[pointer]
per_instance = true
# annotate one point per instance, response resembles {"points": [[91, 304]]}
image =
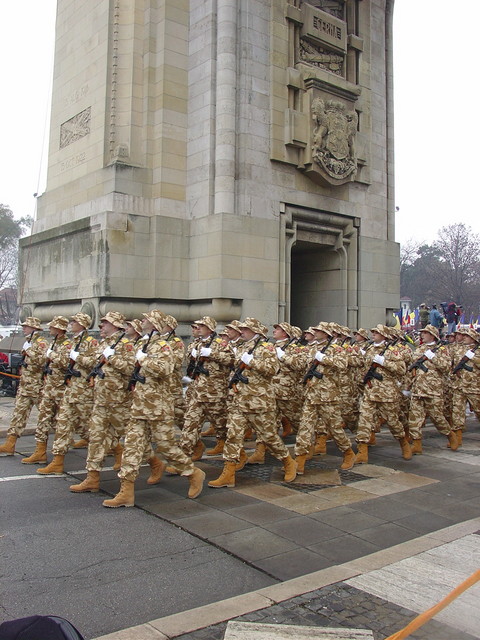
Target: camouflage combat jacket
{"points": [[212, 387], [78, 389], [430, 383], [31, 379], [55, 366], [468, 381], [387, 389], [258, 394], [117, 370]]}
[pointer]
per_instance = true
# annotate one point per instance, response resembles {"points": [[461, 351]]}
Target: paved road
{"points": [[102, 569]]}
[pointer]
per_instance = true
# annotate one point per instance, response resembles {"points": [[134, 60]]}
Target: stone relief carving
{"points": [[333, 7], [75, 128], [333, 142], [320, 58]]}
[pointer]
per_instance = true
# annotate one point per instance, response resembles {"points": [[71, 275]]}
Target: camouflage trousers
{"points": [[320, 419], [179, 407], [265, 425], [139, 435], [21, 412], [47, 414], [196, 414], [350, 409], [420, 408], [72, 417], [290, 409], [107, 424], [373, 413], [460, 399]]}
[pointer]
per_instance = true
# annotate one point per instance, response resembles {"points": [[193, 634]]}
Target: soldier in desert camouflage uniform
{"points": [[54, 372], [178, 350], [430, 363], [466, 368], [322, 404], [209, 394], [152, 416], [111, 401], [77, 402], [31, 380], [380, 399], [253, 404]]}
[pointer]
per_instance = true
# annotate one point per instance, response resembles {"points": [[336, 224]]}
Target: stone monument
{"points": [[219, 157]]}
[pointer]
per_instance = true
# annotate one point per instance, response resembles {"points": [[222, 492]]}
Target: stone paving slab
{"points": [[255, 631]]}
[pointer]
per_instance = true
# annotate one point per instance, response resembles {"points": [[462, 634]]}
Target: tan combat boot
{"points": [[81, 444], [217, 449], [8, 447], [91, 483], [39, 456], [248, 435], [300, 460], [320, 447], [453, 440], [373, 439], [209, 432], [196, 483], [290, 467], [198, 451], [243, 460], [348, 459], [171, 471], [157, 467], [258, 456], [362, 454], [417, 449], [124, 498], [55, 467], [406, 449], [226, 478], [117, 453]]}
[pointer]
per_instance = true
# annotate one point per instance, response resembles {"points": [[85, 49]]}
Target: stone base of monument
{"points": [[255, 631]]}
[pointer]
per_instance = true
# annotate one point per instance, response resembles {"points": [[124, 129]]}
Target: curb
{"points": [[191, 620]]}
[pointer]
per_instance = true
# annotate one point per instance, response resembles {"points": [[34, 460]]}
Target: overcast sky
{"points": [[435, 53]]}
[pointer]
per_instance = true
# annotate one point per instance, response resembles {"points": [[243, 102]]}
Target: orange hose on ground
{"points": [[424, 617]]}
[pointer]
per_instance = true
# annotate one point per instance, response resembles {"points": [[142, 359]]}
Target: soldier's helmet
{"points": [[83, 319], [59, 322], [114, 317], [429, 328], [362, 332], [136, 324], [234, 324], [156, 317], [171, 322], [254, 325], [208, 321], [382, 330], [287, 327], [31, 321], [326, 327]]}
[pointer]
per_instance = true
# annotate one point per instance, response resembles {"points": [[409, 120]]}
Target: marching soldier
{"points": [[430, 363], [252, 404], [209, 394], [178, 350], [380, 399], [31, 380], [54, 371], [152, 416], [467, 370], [322, 399], [111, 402], [77, 402]]}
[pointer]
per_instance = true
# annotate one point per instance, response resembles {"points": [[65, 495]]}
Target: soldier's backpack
{"points": [[39, 628]]}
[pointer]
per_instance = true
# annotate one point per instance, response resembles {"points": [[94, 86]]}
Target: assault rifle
{"points": [[419, 364], [312, 370], [372, 372], [237, 374], [463, 363], [97, 369], [198, 367], [71, 371], [136, 377], [47, 369]]}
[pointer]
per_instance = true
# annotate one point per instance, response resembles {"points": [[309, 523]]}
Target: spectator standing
{"points": [[451, 317], [424, 315], [436, 318]]}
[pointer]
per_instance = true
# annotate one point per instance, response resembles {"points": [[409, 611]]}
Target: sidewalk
{"points": [[360, 548]]}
